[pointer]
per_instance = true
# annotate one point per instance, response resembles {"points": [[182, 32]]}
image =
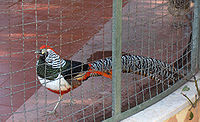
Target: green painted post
{"points": [[116, 56], [195, 61]]}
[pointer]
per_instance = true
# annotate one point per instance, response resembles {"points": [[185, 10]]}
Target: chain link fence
{"points": [[87, 31]]}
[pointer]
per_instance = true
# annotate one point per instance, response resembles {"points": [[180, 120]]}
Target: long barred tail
{"points": [[141, 65]]}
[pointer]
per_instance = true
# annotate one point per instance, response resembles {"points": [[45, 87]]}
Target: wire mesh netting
{"points": [[81, 30]]}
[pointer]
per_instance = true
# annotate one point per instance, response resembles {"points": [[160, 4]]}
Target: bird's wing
{"points": [[73, 68]]}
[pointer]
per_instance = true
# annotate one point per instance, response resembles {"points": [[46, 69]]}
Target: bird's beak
{"points": [[37, 51]]}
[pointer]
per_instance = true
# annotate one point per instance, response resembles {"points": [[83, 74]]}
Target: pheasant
{"points": [[61, 76]]}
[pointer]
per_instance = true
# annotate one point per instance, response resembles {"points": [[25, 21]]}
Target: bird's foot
{"points": [[71, 102], [51, 112]]}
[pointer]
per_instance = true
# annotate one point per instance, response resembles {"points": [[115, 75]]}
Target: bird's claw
{"points": [[51, 112], [72, 102]]}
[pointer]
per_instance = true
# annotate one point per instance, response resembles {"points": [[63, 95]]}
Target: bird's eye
{"points": [[43, 51]]}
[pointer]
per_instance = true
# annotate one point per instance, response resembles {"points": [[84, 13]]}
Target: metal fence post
{"points": [[195, 38], [116, 56]]}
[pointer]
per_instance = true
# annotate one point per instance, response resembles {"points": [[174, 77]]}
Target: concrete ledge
{"points": [[167, 107]]}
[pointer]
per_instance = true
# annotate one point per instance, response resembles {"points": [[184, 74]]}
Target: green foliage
{"points": [[186, 88], [191, 115], [197, 97]]}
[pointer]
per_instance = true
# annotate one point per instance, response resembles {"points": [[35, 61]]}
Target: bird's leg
{"points": [[54, 109]]}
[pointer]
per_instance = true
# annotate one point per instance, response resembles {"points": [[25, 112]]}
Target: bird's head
{"points": [[49, 55], [44, 50]]}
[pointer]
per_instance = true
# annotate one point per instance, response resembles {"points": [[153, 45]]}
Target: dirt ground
{"points": [[83, 34]]}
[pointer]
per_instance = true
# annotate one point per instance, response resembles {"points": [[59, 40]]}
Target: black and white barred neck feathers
{"points": [[54, 60], [139, 65]]}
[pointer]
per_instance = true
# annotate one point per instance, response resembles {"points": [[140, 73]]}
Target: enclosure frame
{"points": [[116, 53]]}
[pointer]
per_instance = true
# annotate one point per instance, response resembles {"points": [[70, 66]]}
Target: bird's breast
{"points": [[56, 85]]}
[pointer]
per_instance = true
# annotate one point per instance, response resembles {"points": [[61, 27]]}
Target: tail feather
{"points": [[140, 65]]}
